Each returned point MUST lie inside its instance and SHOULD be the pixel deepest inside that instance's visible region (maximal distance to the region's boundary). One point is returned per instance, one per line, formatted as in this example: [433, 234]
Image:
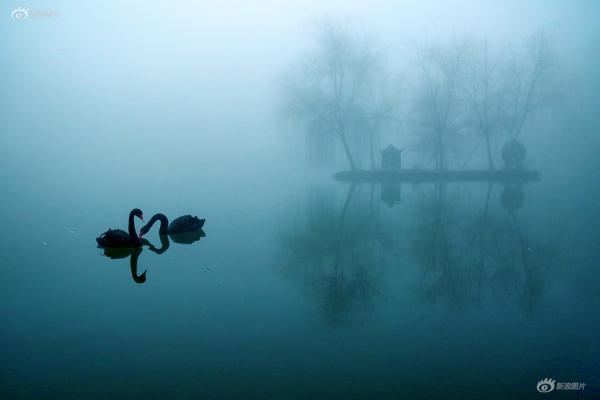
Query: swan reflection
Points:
[134, 252]
[188, 237]
[181, 238]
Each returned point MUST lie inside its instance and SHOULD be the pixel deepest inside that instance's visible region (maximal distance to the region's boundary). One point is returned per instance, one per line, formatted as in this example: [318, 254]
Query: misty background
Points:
[303, 285]
[151, 98]
[154, 83]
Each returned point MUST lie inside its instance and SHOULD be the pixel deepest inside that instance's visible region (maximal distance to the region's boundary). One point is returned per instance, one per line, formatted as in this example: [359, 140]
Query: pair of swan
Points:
[118, 238]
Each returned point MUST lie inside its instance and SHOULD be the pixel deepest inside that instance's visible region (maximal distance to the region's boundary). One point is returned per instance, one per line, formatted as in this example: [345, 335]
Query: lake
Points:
[306, 288]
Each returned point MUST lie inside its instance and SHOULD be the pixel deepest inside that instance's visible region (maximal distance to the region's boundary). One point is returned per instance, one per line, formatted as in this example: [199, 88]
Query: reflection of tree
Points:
[468, 249]
[510, 262]
[433, 249]
[337, 252]
[470, 256]
[524, 263]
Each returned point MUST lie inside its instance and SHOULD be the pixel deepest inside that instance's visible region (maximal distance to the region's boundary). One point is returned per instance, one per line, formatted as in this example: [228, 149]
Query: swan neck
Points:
[164, 223]
[131, 228]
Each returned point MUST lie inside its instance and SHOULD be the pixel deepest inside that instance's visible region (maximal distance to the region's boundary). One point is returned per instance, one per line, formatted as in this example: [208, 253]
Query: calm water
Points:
[308, 289]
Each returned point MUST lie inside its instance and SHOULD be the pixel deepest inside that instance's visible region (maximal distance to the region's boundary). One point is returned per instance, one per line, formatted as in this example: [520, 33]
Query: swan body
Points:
[183, 224]
[117, 238]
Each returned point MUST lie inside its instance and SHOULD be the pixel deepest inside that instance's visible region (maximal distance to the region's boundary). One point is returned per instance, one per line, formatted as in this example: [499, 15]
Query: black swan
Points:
[117, 238]
[184, 224]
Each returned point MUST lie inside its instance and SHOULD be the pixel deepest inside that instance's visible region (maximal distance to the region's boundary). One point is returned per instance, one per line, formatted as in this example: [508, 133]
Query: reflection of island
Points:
[466, 247]
[134, 253]
[470, 252]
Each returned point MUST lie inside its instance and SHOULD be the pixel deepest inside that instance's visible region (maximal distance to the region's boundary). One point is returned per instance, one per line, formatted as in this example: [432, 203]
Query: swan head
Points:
[137, 213]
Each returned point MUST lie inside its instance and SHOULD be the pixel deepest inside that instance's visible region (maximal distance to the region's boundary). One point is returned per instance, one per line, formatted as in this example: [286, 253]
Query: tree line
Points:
[467, 95]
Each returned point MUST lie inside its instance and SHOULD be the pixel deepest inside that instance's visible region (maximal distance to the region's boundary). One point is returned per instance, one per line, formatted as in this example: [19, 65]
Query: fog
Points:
[155, 76]
[321, 271]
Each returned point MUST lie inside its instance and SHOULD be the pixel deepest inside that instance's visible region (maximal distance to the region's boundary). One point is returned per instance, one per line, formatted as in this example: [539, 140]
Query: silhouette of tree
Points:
[440, 98]
[531, 83]
[486, 94]
[332, 89]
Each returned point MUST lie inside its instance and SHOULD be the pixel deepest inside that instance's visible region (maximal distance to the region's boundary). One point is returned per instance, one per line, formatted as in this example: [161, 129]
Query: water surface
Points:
[300, 289]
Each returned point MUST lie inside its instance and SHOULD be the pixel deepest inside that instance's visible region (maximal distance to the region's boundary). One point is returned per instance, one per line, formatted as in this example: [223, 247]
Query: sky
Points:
[174, 79]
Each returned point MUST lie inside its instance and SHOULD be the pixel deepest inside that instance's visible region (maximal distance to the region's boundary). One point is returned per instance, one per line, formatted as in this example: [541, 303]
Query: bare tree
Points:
[486, 94]
[440, 98]
[330, 86]
[380, 108]
[503, 92]
[530, 83]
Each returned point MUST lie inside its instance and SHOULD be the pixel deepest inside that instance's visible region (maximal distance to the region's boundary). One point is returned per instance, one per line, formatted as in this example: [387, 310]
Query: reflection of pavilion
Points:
[390, 193]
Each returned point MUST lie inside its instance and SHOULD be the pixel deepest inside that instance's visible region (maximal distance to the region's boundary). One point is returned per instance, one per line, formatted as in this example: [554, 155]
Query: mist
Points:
[398, 199]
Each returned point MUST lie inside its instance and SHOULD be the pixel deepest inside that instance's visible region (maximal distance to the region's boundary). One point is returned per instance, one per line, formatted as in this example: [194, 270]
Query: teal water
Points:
[301, 289]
